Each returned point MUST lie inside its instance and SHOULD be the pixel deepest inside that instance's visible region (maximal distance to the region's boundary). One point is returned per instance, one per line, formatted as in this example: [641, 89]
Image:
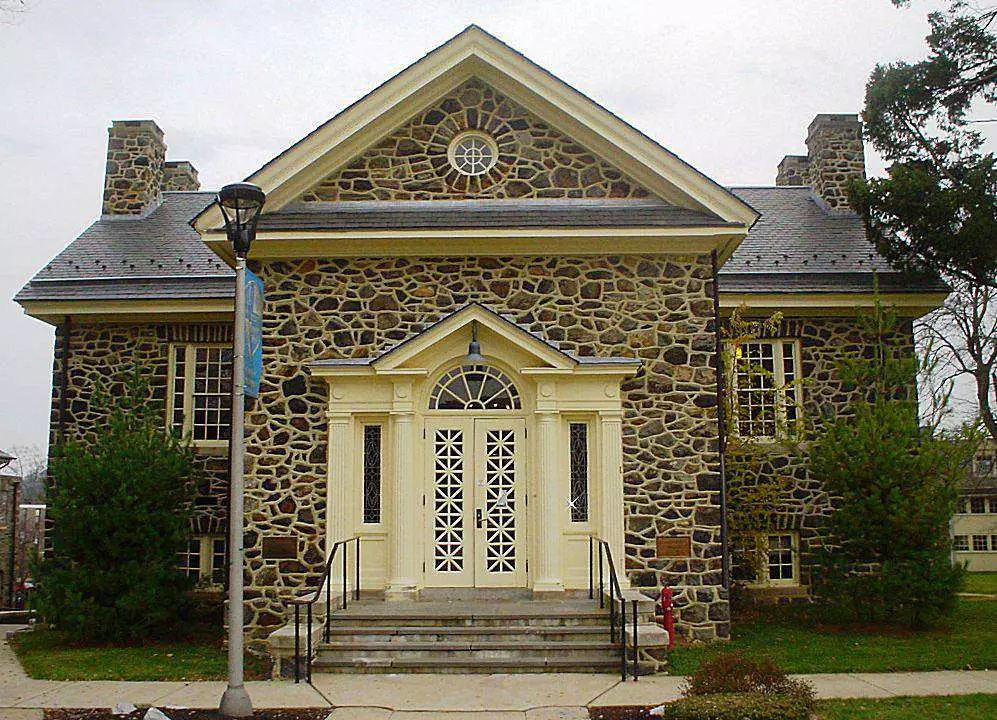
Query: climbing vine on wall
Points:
[754, 495]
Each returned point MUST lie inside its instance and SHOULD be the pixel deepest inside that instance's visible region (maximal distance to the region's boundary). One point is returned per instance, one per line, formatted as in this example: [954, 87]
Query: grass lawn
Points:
[965, 707]
[47, 655]
[981, 582]
[967, 642]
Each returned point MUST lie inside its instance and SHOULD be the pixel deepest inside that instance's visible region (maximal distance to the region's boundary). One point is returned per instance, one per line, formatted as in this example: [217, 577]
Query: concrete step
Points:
[451, 665]
[595, 618]
[466, 633]
[463, 652]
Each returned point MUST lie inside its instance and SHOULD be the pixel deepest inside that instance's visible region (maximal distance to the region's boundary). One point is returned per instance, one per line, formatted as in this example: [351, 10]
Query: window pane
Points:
[372, 474]
[993, 504]
[756, 396]
[189, 560]
[980, 543]
[961, 542]
[977, 504]
[212, 399]
[478, 387]
[579, 452]
[780, 557]
[218, 561]
[179, 385]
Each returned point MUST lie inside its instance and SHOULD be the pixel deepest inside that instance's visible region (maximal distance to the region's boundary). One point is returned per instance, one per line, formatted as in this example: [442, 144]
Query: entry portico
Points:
[489, 473]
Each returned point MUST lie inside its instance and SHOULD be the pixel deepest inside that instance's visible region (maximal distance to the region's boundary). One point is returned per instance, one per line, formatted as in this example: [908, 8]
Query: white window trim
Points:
[779, 382]
[187, 430]
[205, 558]
[765, 581]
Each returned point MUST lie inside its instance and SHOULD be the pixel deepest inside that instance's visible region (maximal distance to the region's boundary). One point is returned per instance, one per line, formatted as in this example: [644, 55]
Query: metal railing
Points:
[309, 601]
[615, 596]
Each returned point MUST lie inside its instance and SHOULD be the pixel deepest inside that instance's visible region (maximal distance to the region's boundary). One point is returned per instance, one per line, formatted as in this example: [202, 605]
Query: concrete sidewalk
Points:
[419, 697]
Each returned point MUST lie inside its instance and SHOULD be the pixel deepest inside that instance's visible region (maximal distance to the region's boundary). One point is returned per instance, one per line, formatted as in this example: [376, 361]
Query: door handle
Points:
[478, 518]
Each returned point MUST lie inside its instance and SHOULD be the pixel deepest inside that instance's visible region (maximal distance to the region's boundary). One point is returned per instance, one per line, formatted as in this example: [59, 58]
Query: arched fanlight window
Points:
[475, 387]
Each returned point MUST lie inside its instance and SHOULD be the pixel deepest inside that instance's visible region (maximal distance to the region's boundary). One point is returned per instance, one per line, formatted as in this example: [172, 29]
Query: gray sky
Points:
[728, 86]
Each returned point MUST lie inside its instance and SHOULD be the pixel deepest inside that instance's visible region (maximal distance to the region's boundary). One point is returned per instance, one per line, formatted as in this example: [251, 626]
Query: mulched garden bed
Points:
[620, 712]
[186, 714]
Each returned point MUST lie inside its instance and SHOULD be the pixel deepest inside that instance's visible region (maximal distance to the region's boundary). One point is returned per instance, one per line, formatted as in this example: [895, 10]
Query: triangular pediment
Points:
[320, 160]
[532, 158]
[455, 329]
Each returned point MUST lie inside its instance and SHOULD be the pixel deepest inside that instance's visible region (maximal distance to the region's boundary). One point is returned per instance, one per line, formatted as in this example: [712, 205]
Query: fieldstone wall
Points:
[133, 174]
[836, 153]
[658, 310]
[179, 175]
[101, 356]
[824, 342]
[535, 160]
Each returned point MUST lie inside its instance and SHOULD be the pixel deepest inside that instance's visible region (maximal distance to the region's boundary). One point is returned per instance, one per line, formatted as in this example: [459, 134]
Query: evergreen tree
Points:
[120, 508]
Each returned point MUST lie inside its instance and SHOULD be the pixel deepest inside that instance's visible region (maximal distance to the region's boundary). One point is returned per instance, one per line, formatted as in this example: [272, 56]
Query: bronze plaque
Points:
[280, 548]
[674, 547]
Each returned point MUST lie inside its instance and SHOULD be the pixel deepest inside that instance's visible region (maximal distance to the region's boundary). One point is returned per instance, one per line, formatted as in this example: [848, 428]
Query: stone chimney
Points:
[793, 170]
[134, 172]
[179, 175]
[835, 155]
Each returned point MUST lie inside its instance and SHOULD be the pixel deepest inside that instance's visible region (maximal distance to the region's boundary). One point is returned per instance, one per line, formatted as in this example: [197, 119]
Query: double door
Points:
[475, 502]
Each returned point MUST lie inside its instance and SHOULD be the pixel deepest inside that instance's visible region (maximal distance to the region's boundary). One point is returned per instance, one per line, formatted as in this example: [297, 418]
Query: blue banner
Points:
[253, 351]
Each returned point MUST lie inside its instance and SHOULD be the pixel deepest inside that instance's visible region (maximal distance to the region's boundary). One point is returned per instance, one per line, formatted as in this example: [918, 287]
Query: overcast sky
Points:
[728, 86]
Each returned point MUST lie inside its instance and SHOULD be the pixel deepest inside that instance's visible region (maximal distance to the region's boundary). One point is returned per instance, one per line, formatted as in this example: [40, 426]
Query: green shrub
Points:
[894, 485]
[120, 508]
[745, 706]
[733, 673]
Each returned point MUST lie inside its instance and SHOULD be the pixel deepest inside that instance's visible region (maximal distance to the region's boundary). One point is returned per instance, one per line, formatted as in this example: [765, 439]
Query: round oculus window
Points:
[473, 153]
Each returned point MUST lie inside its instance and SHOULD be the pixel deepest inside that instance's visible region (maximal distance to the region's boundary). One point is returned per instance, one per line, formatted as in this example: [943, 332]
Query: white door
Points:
[475, 503]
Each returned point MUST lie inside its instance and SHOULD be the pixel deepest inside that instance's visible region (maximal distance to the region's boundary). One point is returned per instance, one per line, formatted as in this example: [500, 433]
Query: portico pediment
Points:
[499, 337]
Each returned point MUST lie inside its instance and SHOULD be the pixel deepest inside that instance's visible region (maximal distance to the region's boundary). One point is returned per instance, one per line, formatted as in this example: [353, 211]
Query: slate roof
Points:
[386, 215]
[157, 255]
[795, 246]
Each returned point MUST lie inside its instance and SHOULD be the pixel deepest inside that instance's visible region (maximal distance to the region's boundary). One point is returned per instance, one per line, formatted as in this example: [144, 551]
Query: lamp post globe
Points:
[240, 205]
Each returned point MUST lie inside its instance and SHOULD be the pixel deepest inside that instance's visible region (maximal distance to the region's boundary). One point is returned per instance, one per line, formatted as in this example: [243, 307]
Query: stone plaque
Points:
[280, 548]
[674, 547]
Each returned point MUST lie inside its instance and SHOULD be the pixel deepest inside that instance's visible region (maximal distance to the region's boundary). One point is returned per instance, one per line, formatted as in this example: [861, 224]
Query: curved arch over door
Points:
[475, 387]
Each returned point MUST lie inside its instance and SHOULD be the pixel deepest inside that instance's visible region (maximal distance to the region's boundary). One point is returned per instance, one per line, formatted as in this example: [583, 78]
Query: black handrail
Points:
[309, 601]
[616, 595]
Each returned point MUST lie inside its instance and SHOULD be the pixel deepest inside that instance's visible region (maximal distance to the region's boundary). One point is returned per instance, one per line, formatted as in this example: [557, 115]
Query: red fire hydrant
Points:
[668, 615]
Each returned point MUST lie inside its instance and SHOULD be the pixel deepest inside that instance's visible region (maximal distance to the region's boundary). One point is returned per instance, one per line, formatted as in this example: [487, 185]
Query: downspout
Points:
[721, 425]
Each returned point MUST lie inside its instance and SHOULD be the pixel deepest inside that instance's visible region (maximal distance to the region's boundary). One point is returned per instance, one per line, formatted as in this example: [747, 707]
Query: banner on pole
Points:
[253, 351]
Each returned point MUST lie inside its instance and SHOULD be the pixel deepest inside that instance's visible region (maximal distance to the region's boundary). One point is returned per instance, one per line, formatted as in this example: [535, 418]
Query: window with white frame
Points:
[977, 504]
[203, 559]
[766, 388]
[781, 566]
[201, 396]
[960, 543]
[980, 543]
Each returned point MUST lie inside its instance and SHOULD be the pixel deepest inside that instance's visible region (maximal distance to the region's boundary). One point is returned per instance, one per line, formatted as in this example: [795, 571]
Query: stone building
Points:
[474, 194]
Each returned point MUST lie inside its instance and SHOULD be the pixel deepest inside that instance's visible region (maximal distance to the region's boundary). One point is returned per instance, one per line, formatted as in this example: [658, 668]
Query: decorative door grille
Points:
[500, 500]
[448, 500]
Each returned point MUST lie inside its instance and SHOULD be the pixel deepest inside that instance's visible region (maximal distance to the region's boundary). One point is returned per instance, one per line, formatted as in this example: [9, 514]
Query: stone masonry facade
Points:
[100, 359]
[835, 155]
[655, 309]
[535, 160]
[824, 343]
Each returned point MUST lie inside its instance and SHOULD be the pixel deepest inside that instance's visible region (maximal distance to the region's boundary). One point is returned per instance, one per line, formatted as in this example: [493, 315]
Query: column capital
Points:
[338, 417]
[546, 414]
[611, 415]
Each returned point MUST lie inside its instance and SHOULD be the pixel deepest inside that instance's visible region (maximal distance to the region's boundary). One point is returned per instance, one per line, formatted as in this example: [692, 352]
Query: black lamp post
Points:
[241, 204]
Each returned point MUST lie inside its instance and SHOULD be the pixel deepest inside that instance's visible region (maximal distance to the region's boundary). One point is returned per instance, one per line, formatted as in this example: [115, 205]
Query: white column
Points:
[404, 509]
[550, 520]
[338, 509]
[611, 516]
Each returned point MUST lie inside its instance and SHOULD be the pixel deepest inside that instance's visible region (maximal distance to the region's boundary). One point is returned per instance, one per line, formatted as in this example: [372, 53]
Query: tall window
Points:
[201, 398]
[782, 559]
[766, 388]
[372, 473]
[578, 446]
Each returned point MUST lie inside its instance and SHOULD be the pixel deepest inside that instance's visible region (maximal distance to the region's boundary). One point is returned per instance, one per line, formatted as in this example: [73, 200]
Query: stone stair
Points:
[469, 637]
